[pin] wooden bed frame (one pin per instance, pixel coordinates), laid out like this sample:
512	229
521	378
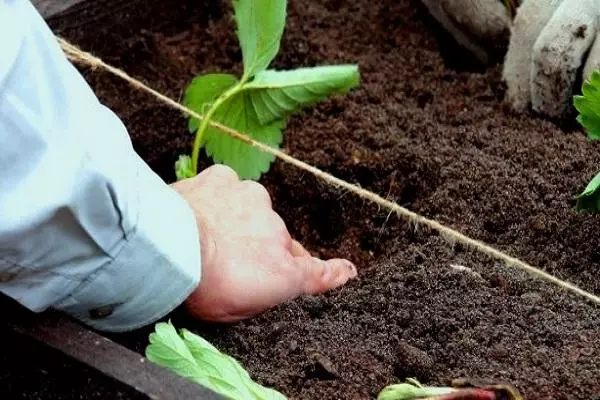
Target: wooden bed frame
51	8
71	338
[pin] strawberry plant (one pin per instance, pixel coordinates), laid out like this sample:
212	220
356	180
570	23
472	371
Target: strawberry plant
588	106
192	357
260	101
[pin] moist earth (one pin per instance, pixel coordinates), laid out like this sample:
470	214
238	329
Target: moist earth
426	128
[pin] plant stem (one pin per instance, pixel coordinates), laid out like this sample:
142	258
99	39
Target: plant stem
206	120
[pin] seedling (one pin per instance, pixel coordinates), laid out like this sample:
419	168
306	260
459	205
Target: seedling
194	358
412	390
462	389
259	103
588	106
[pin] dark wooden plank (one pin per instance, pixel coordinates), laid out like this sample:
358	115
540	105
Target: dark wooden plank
102	354
83	11
50	8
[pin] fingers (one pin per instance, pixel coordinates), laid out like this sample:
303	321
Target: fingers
593	60
529	22
558	55
320	276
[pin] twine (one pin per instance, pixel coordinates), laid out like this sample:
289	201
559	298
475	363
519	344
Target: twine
77	55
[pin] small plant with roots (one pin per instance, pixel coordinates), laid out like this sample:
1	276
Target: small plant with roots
260	101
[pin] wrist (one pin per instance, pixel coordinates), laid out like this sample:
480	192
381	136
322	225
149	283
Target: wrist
207	247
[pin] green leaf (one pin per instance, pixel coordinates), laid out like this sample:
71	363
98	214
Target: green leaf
203	91
183	168
239	114
260	25
277	94
588	105
168	349
221	367
195	358
408	391
261	108
589	199
229	368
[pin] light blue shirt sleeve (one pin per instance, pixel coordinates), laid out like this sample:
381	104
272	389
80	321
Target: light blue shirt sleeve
86	226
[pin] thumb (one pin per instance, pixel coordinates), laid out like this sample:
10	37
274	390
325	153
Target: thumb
320	276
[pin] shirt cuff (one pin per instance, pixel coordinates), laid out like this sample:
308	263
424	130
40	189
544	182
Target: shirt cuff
156	269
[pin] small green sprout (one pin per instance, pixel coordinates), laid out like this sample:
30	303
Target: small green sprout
461	389
259	103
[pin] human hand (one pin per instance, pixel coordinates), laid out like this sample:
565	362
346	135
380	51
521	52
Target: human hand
550	40
250	263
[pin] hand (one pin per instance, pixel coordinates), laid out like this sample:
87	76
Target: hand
550	40
249	261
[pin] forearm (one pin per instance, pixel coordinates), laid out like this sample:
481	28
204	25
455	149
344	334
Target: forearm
85	225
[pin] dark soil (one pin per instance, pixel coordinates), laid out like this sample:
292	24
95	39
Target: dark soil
422	130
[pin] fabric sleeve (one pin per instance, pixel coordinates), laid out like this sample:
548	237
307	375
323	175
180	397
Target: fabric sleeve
86	226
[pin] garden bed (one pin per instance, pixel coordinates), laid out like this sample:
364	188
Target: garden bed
434	138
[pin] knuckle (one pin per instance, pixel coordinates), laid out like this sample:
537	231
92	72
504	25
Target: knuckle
319	276
223	171
256	189
279	225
